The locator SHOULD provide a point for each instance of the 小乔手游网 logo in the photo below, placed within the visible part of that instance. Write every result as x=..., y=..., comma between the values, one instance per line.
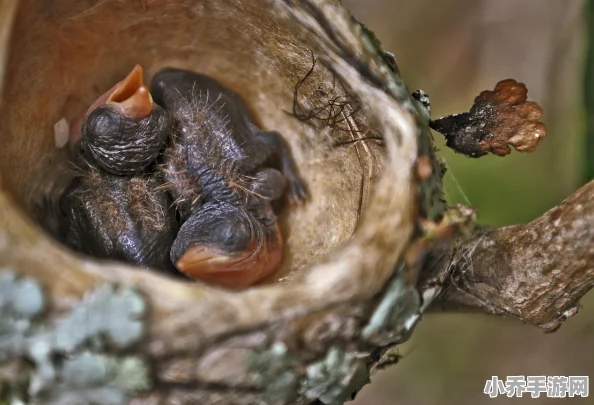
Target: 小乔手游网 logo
x=537, y=385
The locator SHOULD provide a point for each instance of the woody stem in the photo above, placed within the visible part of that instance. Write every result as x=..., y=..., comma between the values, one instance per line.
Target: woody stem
x=536, y=272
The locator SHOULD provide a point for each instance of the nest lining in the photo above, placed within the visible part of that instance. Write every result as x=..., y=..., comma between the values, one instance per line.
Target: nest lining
x=64, y=57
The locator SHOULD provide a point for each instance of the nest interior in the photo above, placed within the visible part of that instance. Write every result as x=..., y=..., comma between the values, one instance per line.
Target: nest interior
x=63, y=54
x=342, y=245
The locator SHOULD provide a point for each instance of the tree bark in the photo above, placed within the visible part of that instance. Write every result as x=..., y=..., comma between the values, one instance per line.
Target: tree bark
x=535, y=272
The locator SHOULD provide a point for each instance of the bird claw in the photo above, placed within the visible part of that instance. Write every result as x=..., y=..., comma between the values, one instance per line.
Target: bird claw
x=297, y=191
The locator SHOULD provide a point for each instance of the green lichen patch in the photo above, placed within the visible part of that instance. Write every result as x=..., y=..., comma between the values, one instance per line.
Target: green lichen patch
x=73, y=360
x=20, y=302
x=271, y=371
x=89, y=378
x=106, y=312
x=396, y=314
x=430, y=190
x=333, y=380
x=19, y=297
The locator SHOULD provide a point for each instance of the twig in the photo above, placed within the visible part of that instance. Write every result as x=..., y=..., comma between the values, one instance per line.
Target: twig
x=536, y=272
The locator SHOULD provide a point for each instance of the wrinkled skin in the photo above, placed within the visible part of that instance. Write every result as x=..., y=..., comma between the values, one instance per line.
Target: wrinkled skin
x=124, y=131
x=120, y=217
x=219, y=171
x=138, y=142
x=113, y=208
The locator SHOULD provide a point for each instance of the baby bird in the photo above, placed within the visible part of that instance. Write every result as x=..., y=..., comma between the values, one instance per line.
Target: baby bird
x=121, y=218
x=115, y=208
x=218, y=169
x=124, y=131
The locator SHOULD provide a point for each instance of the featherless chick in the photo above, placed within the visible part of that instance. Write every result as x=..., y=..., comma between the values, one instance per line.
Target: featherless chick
x=219, y=170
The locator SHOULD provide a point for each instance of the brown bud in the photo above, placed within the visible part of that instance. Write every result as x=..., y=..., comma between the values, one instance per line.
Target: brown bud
x=498, y=118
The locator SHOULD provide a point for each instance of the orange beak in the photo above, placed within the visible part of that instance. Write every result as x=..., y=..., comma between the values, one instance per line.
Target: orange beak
x=236, y=271
x=130, y=96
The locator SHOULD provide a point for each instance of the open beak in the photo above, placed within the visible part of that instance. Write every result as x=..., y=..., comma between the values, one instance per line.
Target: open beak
x=130, y=96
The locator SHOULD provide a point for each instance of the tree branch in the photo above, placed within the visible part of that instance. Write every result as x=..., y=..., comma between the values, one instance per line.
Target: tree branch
x=536, y=272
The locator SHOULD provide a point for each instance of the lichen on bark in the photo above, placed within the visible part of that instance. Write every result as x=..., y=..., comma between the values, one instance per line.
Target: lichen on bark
x=58, y=362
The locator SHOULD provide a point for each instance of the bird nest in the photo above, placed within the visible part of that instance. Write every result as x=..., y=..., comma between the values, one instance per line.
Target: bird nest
x=343, y=295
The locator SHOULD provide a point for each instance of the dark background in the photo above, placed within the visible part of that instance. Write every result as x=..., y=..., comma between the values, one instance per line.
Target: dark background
x=454, y=49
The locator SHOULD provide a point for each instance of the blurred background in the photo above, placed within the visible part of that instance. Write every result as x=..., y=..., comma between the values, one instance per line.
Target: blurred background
x=453, y=50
